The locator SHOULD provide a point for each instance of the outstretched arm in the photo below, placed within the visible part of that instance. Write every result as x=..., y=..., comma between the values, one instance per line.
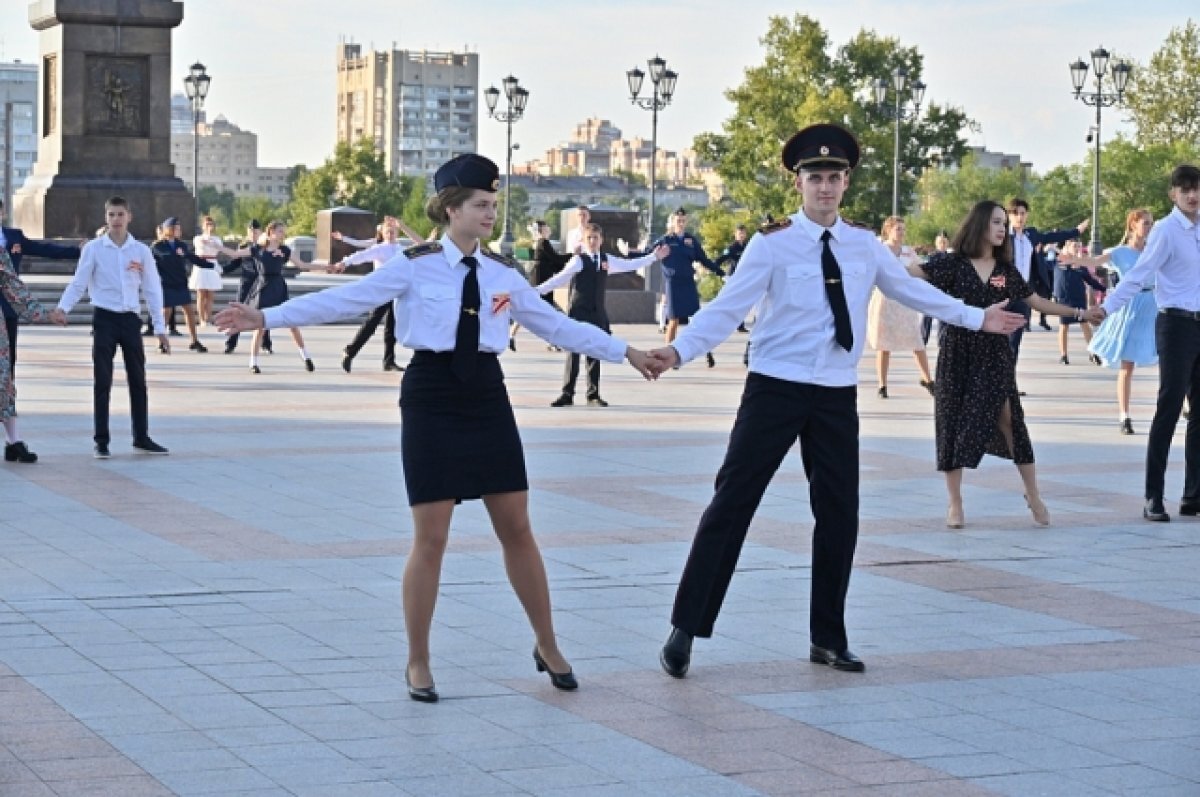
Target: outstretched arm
x=620, y=265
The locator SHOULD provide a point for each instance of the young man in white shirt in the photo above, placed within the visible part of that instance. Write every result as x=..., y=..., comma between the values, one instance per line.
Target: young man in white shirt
x=575, y=236
x=1171, y=263
x=117, y=271
x=811, y=276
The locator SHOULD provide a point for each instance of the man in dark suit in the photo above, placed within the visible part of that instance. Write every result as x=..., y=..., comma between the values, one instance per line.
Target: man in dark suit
x=17, y=246
x=1030, y=262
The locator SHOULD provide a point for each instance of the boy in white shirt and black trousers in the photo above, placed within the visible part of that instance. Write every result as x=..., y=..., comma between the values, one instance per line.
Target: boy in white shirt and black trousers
x=117, y=271
x=588, y=275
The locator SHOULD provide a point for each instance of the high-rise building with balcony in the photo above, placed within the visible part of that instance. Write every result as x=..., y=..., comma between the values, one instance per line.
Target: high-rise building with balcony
x=18, y=92
x=420, y=108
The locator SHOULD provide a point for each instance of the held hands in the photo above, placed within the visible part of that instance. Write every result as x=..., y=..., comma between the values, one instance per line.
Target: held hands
x=1000, y=321
x=238, y=317
x=164, y=344
x=642, y=362
x=336, y=268
x=57, y=316
x=1095, y=315
x=665, y=358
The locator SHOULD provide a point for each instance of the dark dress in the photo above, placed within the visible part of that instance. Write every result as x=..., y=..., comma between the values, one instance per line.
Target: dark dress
x=172, y=259
x=270, y=289
x=1070, y=288
x=975, y=370
x=679, y=275
x=547, y=263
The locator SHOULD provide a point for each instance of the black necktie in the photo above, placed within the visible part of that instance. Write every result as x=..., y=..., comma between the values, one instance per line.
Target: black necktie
x=836, y=293
x=466, y=342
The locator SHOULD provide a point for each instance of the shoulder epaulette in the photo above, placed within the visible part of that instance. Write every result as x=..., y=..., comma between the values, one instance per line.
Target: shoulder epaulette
x=499, y=258
x=858, y=225
x=426, y=248
x=775, y=226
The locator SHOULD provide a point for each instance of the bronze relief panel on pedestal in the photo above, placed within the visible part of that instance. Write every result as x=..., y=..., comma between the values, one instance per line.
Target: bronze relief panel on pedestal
x=116, y=98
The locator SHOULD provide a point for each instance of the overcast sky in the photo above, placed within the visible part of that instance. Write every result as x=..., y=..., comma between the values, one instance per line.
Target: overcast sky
x=1004, y=63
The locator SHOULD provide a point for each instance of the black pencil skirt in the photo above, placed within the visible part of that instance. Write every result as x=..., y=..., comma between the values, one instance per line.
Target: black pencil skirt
x=458, y=440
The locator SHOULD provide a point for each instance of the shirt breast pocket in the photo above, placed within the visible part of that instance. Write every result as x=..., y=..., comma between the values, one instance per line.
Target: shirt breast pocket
x=440, y=306
x=805, y=287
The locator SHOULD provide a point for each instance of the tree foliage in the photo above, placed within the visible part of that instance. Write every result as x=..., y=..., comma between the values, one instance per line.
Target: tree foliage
x=947, y=195
x=804, y=80
x=355, y=176
x=1161, y=97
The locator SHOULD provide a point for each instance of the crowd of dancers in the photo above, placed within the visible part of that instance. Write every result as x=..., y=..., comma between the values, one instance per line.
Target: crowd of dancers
x=819, y=289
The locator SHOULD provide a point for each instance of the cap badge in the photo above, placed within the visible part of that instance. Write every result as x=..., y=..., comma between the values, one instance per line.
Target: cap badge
x=496, y=184
x=824, y=150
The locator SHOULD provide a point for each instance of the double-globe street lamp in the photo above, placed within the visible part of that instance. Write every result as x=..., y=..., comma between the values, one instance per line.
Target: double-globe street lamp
x=516, y=97
x=899, y=111
x=663, y=81
x=196, y=86
x=1119, y=77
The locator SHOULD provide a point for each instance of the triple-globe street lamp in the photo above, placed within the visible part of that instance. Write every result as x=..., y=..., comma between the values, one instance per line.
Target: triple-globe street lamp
x=899, y=111
x=516, y=98
x=196, y=86
x=1099, y=98
x=663, y=82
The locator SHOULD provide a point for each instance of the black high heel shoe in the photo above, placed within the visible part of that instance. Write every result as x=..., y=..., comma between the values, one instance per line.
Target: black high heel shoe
x=421, y=694
x=561, y=680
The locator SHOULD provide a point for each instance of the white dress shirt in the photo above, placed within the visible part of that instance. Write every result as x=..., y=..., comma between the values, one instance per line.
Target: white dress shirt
x=110, y=276
x=207, y=246
x=793, y=337
x=380, y=253
x=1170, y=263
x=430, y=286
x=616, y=265
x=1022, y=253
x=574, y=239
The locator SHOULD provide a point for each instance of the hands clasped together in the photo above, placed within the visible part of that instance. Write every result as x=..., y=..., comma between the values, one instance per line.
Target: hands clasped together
x=651, y=364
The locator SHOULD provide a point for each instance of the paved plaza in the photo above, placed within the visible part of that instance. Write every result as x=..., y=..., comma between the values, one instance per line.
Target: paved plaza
x=226, y=620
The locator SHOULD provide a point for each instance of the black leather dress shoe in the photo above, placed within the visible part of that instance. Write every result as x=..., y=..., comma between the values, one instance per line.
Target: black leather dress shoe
x=563, y=401
x=596, y=401
x=837, y=659
x=1186, y=508
x=676, y=655
x=421, y=694
x=1154, y=510
x=561, y=680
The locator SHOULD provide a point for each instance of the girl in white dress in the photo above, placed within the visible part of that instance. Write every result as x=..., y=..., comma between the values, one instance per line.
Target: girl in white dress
x=206, y=281
x=890, y=325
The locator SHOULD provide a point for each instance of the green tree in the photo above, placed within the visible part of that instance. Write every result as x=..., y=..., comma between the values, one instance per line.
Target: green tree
x=211, y=200
x=355, y=175
x=717, y=223
x=1135, y=176
x=553, y=217
x=805, y=80
x=1060, y=198
x=519, y=218
x=947, y=195
x=1161, y=96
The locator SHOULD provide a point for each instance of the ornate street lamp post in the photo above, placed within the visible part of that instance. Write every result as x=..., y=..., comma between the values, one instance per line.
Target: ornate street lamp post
x=899, y=111
x=516, y=98
x=663, y=81
x=196, y=86
x=1119, y=78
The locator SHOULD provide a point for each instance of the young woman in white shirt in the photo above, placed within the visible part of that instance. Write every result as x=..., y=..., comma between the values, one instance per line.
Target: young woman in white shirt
x=459, y=439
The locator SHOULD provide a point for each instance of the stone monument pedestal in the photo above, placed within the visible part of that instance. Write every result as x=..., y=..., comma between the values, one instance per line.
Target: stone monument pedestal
x=105, y=122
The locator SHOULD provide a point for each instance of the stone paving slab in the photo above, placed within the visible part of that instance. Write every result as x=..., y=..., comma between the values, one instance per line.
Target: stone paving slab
x=226, y=620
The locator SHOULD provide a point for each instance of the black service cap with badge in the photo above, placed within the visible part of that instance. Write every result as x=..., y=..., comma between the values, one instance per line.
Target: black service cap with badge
x=822, y=146
x=468, y=171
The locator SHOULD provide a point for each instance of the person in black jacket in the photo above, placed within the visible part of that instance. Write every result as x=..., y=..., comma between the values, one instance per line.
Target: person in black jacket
x=587, y=274
x=17, y=246
x=172, y=257
x=546, y=263
x=248, y=272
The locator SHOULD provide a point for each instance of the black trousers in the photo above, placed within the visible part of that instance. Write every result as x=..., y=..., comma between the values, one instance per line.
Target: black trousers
x=387, y=314
x=774, y=413
x=1178, y=341
x=571, y=368
x=111, y=331
x=12, y=325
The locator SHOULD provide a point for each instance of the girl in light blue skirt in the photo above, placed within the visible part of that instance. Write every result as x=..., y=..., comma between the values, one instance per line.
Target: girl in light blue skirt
x=1126, y=338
